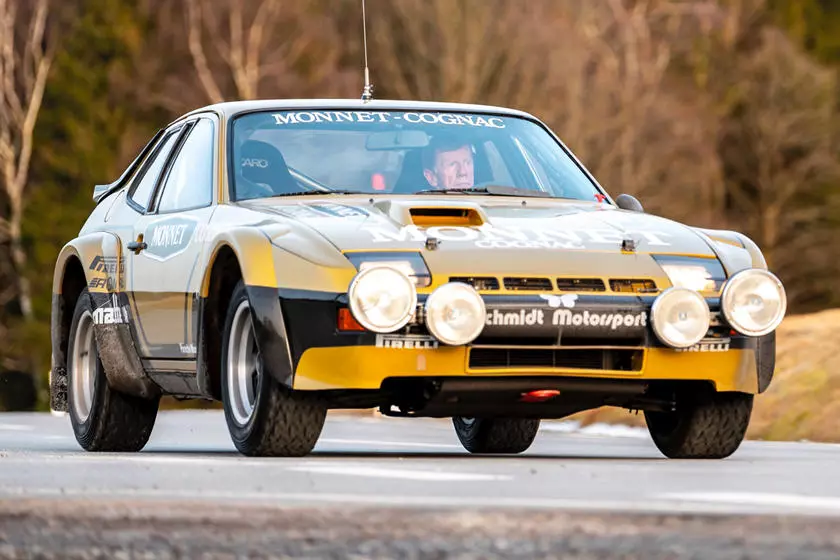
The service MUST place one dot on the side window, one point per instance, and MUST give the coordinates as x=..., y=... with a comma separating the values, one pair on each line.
x=189, y=183
x=142, y=190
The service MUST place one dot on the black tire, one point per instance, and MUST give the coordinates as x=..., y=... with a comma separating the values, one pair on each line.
x=496, y=435
x=706, y=425
x=283, y=423
x=117, y=422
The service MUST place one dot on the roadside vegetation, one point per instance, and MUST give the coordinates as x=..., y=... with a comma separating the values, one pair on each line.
x=718, y=113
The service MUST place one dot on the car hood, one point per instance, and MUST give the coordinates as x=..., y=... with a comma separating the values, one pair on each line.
x=485, y=234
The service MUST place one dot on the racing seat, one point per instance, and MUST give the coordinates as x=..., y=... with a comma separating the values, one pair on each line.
x=260, y=162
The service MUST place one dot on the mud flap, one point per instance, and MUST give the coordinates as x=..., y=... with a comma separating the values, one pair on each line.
x=765, y=358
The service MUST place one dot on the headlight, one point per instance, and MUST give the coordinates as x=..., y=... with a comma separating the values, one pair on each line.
x=696, y=274
x=754, y=302
x=409, y=262
x=455, y=313
x=680, y=317
x=382, y=299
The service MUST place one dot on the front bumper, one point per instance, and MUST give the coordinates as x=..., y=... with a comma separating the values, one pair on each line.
x=531, y=335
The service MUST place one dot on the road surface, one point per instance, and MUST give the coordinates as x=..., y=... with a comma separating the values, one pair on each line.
x=374, y=474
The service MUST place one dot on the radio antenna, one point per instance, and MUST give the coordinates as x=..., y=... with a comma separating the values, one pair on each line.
x=367, y=92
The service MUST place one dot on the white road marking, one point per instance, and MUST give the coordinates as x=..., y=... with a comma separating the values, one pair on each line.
x=389, y=443
x=793, y=501
x=378, y=472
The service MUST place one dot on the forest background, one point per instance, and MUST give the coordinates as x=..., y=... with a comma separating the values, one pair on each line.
x=718, y=113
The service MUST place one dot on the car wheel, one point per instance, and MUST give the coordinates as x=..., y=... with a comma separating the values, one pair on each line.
x=496, y=435
x=264, y=418
x=103, y=419
x=705, y=425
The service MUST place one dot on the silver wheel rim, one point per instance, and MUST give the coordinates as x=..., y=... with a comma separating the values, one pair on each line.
x=83, y=367
x=243, y=366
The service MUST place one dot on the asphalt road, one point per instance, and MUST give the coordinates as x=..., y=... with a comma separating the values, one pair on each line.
x=414, y=466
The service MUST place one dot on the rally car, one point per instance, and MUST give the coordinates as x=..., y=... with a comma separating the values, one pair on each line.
x=423, y=259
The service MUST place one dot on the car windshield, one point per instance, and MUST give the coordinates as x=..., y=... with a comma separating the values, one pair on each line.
x=280, y=153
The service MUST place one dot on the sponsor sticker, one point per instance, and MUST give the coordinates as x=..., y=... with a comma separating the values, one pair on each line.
x=169, y=237
x=338, y=210
x=111, y=314
x=710, y=345
x=511, y=237
x=112, y=268
x=564, y=317
x=448, y=119
x=187, y=348
x=408, y=341
x=107, y=265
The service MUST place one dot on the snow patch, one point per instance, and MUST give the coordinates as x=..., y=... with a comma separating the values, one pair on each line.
x=597, y=429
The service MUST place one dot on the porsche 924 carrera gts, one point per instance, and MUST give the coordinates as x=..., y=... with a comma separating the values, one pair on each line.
x=423, y=259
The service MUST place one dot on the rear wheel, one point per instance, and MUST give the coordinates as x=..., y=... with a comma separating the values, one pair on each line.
x=103, y=419
x=496, y=435
x=705, y=425
x=264, y=418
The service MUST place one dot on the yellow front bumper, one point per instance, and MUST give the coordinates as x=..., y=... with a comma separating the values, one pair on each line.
x=365, y=367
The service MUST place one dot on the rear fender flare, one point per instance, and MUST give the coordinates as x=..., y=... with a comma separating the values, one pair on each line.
x=100, y=255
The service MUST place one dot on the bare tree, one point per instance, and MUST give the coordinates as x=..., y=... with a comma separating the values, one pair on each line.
x=244, y=50
x=778, y=147
x=600, y=73
x=24, y=66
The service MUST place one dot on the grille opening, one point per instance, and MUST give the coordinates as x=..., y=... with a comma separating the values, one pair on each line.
x=614, y=360
x=522, y=283
x=632, y=285
x=478, y=282
x=581, y=285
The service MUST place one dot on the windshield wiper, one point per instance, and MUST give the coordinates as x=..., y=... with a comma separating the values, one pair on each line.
x=490, y=189
x=311, y=193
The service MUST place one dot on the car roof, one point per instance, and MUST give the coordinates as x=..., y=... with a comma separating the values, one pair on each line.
x=232, y=108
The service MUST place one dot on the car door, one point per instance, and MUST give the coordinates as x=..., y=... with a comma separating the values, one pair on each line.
x=163, y=256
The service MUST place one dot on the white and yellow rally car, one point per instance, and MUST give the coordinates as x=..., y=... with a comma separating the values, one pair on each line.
x=426, y=259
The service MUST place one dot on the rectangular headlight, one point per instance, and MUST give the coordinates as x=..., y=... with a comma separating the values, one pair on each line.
x=410, y=262
x=698, y=274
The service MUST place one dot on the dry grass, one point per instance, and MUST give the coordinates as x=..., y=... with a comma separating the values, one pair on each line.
x=803, y=401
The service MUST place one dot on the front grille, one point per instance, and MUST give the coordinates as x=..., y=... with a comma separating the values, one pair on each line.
x=632, y=285
x=478, y=282
x=520, y=283
x=620, y=360
x=581, y=285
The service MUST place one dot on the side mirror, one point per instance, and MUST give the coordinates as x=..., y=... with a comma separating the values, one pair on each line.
x=628, y=202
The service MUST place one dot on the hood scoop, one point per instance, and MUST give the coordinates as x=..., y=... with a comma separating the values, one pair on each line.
x=431, y=217
x=433, y=213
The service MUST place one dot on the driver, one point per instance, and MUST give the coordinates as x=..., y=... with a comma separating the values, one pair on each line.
x=448, y=164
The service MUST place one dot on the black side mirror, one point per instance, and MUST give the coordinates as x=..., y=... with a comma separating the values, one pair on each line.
x=628, y=202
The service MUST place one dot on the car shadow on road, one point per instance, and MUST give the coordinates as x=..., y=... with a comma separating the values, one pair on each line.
x=415, y=455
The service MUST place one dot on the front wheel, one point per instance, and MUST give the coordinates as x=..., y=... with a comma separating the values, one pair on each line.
x=705, y=425
x=103, y=419
x=264, y=418
x=496, y=435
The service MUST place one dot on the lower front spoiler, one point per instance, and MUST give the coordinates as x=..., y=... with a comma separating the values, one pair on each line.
x=368, y=367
